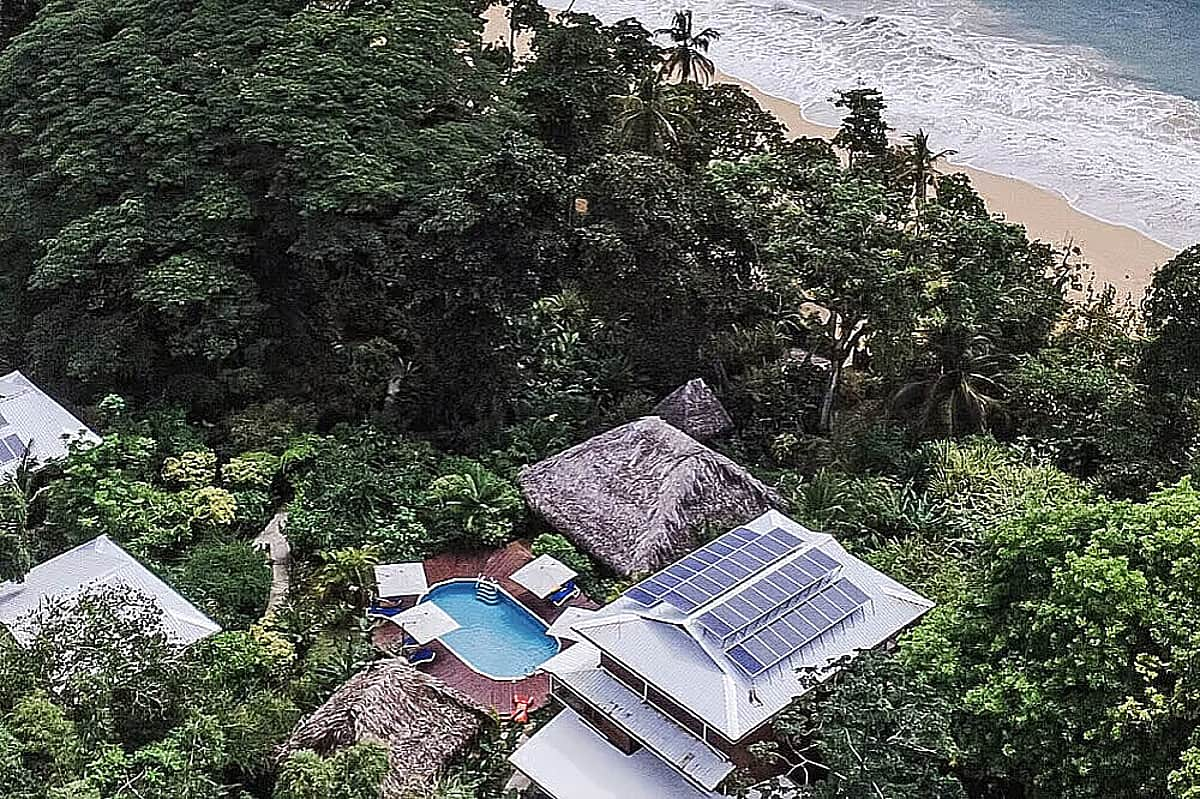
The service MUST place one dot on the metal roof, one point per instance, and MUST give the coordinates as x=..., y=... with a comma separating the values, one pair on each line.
x=682, y=656
x=571, y=760
x=649, y=725
x=98, y=562
x=31, y=420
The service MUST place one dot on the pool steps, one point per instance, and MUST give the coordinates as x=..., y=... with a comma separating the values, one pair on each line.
x=487, y=590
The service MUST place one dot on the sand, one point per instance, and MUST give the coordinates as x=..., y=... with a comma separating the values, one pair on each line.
x=1116, y=254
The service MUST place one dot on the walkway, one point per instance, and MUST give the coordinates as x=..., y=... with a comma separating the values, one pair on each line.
x=498, y=564
x=279, y=555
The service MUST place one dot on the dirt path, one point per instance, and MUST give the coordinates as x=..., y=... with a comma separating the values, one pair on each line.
x=279, y=555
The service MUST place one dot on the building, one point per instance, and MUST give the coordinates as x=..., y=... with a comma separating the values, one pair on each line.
x=671, y=683
x=422, y=722
x=31, y=422
x=638, y=496
x=95, y=564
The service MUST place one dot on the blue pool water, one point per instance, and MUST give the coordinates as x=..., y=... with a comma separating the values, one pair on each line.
x=504, y=641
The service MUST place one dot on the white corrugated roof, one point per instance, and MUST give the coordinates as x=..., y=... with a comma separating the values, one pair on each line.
x=571, y=760
x=98, y=562
x=29, y=416
x=672, y=652
x=655, y=729
x=564, y=626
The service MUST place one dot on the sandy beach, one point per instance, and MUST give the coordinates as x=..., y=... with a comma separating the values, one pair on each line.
x=1118, y=255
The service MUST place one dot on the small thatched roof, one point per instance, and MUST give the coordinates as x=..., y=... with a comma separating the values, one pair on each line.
x=422, y=722
x=695, y=409
x=635, y=497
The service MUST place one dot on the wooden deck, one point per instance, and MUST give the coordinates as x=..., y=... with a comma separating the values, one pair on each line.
x=497, y=564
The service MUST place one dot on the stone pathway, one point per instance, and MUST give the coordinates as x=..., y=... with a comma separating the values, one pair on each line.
x=279, y=555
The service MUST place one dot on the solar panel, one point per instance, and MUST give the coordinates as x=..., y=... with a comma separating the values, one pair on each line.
x=772, y=595
x=796, y=629
x=5, y=454
x=715, y=568
x=16, y=445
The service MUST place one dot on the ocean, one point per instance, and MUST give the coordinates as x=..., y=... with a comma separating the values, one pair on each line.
x=1098, y=100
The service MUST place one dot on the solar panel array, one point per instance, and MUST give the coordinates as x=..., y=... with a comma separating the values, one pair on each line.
x=715, y=568
x=11, y=448
x=796, y=629
x=776, y=614
x=769, y=596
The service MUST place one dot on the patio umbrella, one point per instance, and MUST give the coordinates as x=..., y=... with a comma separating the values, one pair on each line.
x=400, y=579
x=425, y=622
x=563, y=628
x=543, y=575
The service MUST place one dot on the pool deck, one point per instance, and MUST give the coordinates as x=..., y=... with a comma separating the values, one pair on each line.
x=498, y=564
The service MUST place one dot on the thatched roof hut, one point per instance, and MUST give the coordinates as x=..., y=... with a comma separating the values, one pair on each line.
x=695, y=409
x=636, y=496
x=422, y=722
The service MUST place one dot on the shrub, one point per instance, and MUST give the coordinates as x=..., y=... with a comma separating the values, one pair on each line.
x=229, y=581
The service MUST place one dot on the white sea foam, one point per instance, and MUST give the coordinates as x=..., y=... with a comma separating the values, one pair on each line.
x=1057, y=115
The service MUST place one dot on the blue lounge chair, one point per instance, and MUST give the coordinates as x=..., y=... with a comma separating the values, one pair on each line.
x=565, y=594
x=419, y=657
x=383, y=612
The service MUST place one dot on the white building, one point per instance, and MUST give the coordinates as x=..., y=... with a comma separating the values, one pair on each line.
x=30, y=421
x=97, y=563
x=673, y=681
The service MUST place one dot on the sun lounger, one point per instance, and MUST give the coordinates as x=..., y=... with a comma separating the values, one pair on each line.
x=419, y=657
x=565, y=594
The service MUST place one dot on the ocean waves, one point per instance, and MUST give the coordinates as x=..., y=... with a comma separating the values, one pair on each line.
x=1010, y=101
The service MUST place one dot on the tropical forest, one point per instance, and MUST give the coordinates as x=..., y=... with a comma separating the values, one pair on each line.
x=357, y=264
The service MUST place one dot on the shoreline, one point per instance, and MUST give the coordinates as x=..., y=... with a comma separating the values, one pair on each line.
x=1117, y=254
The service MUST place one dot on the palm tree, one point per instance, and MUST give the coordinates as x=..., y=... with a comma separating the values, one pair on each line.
x=688, y=54
x=650, y=117
x=349, y=573
x=961, y=393
x=919, y=164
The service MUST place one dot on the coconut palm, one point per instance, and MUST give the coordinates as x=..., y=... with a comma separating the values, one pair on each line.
x=919, y=164
x=651, y=116
x=348, y=573
x=961, y=393
x=687, y=57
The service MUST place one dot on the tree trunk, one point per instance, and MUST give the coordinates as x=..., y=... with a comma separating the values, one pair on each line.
x=831, y=387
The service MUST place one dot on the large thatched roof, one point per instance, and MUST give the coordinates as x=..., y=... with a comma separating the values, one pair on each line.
x=695, y=409
x=421, y=721
x=635, y=497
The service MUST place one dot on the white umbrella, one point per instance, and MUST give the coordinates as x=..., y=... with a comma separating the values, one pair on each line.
x=563, y=627
x=543, y=575
x=425, y=622
x=400, y=579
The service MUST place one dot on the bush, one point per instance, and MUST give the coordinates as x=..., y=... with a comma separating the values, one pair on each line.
x=361, y=487
x=230, y=582
x=473, y=506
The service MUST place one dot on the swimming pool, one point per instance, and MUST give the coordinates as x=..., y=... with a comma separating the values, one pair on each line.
x=503, y=641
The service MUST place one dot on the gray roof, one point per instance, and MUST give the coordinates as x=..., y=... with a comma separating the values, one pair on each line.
x=99, y=562
x=695, y=409
x=571, y=760
x=42, y=425
x=672, y=651
x=653, y=728
x=637, y=496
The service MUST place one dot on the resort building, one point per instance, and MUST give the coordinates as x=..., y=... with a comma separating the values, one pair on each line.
x=32, y=423
x=695, y=409
x=669, y=685
x=635, y=496
x=98, y=563
x=422, y=722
